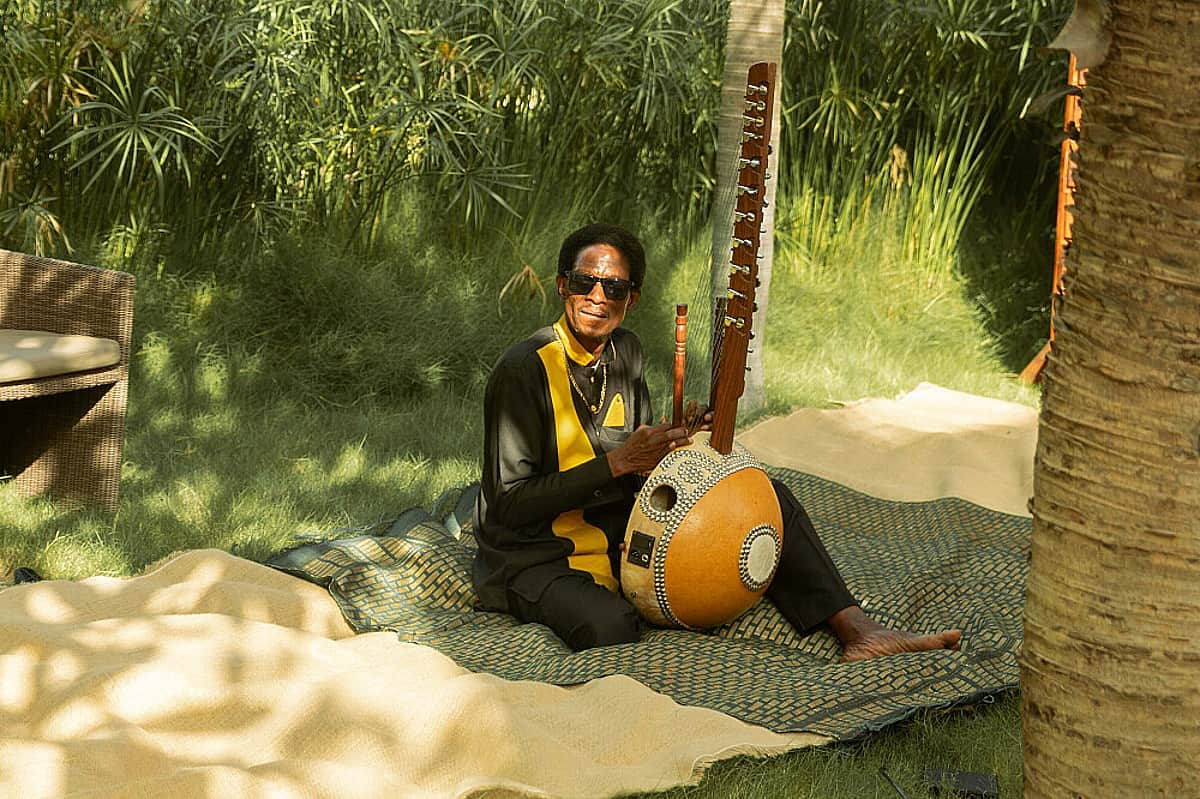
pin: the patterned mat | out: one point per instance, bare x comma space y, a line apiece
923, 566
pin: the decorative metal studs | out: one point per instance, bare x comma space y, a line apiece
759, 557
699, 474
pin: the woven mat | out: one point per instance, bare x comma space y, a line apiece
923, 566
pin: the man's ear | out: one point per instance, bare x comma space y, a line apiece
634, 296
561, 282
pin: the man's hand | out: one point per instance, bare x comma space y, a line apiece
697, 417
645, 447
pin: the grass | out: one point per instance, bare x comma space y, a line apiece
984, 737
315, 389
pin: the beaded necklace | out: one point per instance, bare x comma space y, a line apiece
571, 376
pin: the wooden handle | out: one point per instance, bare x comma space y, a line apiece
734, 322
680, 362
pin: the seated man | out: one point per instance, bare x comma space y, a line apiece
567, 434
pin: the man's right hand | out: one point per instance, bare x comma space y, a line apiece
645, 447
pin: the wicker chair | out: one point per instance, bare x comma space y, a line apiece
63, 435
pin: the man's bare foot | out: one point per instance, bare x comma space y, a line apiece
863, 638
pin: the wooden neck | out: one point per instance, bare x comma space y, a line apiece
734, 314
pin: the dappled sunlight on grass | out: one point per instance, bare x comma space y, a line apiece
350, 464
875, 327
249, 478
83, 551
210, 463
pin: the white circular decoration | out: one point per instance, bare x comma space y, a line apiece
759, 557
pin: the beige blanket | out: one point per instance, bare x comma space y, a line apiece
215, 677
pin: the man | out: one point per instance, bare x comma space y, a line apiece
567, 432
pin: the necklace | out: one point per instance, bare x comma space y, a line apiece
571, 376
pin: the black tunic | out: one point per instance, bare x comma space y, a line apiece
548, 499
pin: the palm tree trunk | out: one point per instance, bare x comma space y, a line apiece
755, 33
1111, 662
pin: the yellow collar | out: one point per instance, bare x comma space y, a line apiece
575, 351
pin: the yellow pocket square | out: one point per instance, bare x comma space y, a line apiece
616, 412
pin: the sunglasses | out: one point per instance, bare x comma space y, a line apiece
615, 288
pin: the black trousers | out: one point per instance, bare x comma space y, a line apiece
807, 589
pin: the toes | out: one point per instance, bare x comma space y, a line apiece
951, 639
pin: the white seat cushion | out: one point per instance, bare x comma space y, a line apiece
29, 354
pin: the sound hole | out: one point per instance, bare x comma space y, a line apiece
663, 498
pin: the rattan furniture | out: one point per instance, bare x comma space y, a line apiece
63, 435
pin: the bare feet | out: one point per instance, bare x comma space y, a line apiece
863, 638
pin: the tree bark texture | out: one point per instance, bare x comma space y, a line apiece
755, 33
1111, 660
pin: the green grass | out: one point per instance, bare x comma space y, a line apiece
314, 389
983, 737
869, 324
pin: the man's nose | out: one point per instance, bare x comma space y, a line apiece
597, 295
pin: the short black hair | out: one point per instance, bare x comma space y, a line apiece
613, 235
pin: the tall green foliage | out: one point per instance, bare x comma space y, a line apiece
198, 116
270, 113
916, 106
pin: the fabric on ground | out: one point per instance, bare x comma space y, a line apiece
924, 566
214, 676
930, 443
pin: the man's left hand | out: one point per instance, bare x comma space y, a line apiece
642, 451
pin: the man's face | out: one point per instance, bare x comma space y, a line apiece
593, 317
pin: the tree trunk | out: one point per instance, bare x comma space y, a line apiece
1111, 661
755, 33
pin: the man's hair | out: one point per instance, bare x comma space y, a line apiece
613, 235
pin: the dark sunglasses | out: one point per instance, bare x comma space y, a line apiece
615, 288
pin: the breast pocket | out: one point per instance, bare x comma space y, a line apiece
611, 438
615, 416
